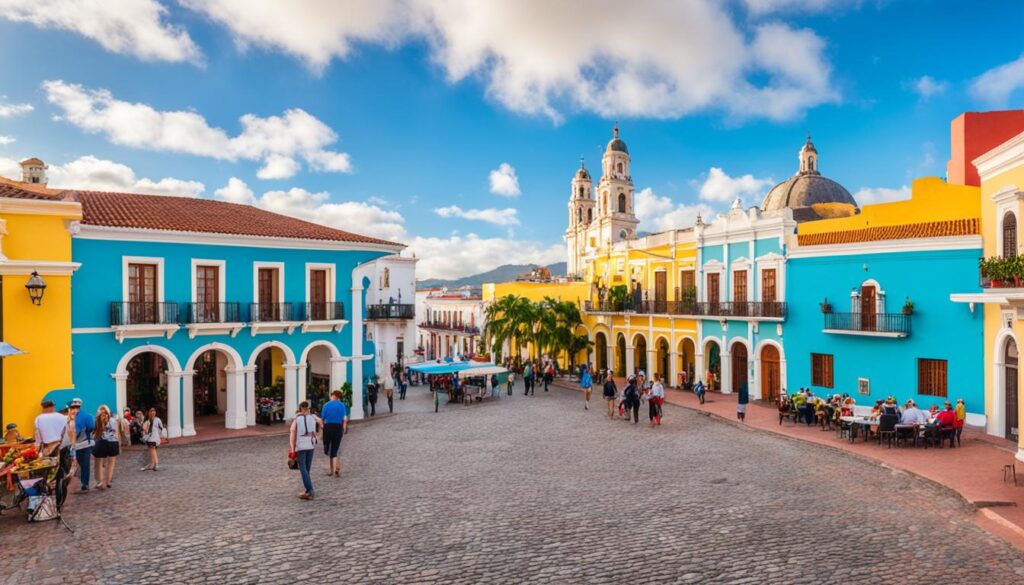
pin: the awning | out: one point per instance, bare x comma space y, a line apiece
441, 368
487, 370
7, 349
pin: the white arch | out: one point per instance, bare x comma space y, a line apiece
234, 359
586, 331
741, 340
715, 340
289, 355
632, 340
756, 383
173, 365
319, 343
997, 424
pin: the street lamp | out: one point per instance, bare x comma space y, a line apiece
36, 287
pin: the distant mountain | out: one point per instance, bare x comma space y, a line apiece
503, 273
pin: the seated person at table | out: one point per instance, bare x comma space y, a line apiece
889, 407
946, 417
11, 435
913, 415
877, 409
934, 410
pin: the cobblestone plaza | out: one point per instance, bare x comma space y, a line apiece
524, 489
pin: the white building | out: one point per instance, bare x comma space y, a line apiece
391, 312
450, 321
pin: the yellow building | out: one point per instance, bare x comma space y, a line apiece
35, 237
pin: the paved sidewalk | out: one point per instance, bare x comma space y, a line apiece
974, 470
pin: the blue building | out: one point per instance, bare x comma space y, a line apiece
208, 310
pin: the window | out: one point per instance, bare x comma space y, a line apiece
619, 168
318, 294
769, 292
739, 286
622, 203
821, 370
268, 294
142, 293
579, 214
714, 294
1009, 235
581, 192
931, 377
590, 216
207, 307
687, 280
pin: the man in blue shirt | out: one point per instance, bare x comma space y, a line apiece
334, 415
85, 424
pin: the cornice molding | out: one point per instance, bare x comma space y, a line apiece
94, 232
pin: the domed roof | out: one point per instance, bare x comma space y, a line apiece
582, 172
616, 144
808, 194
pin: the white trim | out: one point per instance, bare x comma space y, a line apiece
43, 267
222, 272
231, 329
712, 267
998, 419
232, 354
159, 262
772, 261
331, 271
85, 330
1001, 158
173, 365
95, 232
256, 265
289, 355
889, 246
894, 335
335, 325
11, 205
758, 366
335, 353
1007, 201
130, 331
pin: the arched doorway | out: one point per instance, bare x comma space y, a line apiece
147, 384
271, 399
640, 354
601, 349
209, 385
322, 374
620, 355
687, 362
661, 358
738, 353
713, 366
771, 373
1010, 385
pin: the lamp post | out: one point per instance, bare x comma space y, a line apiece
36, 287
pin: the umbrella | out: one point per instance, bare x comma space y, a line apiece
7, 349
482, 371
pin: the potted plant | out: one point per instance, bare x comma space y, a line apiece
908, 307
826, 307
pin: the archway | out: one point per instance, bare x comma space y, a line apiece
601, 349
771, 373
147, 384
620, 355
687, 362
740, 366
661, 360
213, 396
1010, 390
712, 365
319, 373
640, 355
273, 389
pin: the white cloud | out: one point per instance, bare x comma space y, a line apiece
721, 188
507, 216
12, 110
458, 256
236, 191
995, 86
872, 195
504, 181
658, 213
128, 27
654, 59
5, 140
276, 141
763, 7
89, 173
927, 86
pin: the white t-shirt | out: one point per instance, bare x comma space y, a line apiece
305, 432
156, 427
50, 427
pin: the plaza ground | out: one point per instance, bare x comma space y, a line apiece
522, 489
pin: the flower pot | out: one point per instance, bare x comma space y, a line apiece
908, 311
996, 283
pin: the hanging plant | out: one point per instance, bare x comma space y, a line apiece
908, 307
826, 307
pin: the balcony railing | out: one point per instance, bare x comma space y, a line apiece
883, 324
270, 312
390, 311
450, 327
213, 313
324, 311
743, 309
143, 313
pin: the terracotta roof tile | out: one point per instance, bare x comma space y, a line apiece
934, 229
19, 190
185, 214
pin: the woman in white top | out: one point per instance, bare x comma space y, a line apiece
152, 432
655, 397
108, 446
302, 440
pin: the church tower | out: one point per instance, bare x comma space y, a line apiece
581, 215
615, 211
809, 158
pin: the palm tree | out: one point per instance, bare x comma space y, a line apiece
506, 318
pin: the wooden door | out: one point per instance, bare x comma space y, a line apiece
207, 306
739, 292
318, 294
739, 366
771, 373
268, 295
142, 293
660, 292
713, 293
868, 318
1010, 382
769, 294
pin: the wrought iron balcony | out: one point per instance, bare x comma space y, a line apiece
143, 313
324, 311
196, 313
450, 327
875, 325
270, 312
390, 311
743, 309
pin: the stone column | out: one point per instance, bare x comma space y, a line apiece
188, 405
250, 395
121, 391
699, 372
337, 373
174, 404
610, 357
291, 393
652, 357
629, 361
302, 382
726, 376
357, 352
234, 417
673, 369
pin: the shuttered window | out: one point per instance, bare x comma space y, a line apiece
931, 377
821, 370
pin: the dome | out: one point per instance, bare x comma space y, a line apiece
810, 195
582, 172
616, 144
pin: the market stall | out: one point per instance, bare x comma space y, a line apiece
28, 482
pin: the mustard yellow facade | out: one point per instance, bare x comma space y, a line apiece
35, 236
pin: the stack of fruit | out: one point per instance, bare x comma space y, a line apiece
25, 460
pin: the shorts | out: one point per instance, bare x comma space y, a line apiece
609, 397
153, 444
106, 449
332, 439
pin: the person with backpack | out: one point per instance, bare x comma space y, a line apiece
698, 389
587, 383
610, 393
631, 399
302, 440
528, 379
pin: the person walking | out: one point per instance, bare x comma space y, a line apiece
528, 379
631, 399
302, 440
84, 427
961, 416
741, 402
152, 433
389, 393
510, 380
610, 393
549, 375
108, 447
371, 396
587, 383
403, 385
655, 400
699, 390
334, 416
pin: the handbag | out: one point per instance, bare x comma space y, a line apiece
293, 463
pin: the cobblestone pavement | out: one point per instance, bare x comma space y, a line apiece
524, 489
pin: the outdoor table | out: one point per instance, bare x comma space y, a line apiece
858, 421
914, 428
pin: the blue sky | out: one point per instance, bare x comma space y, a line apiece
389, 117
